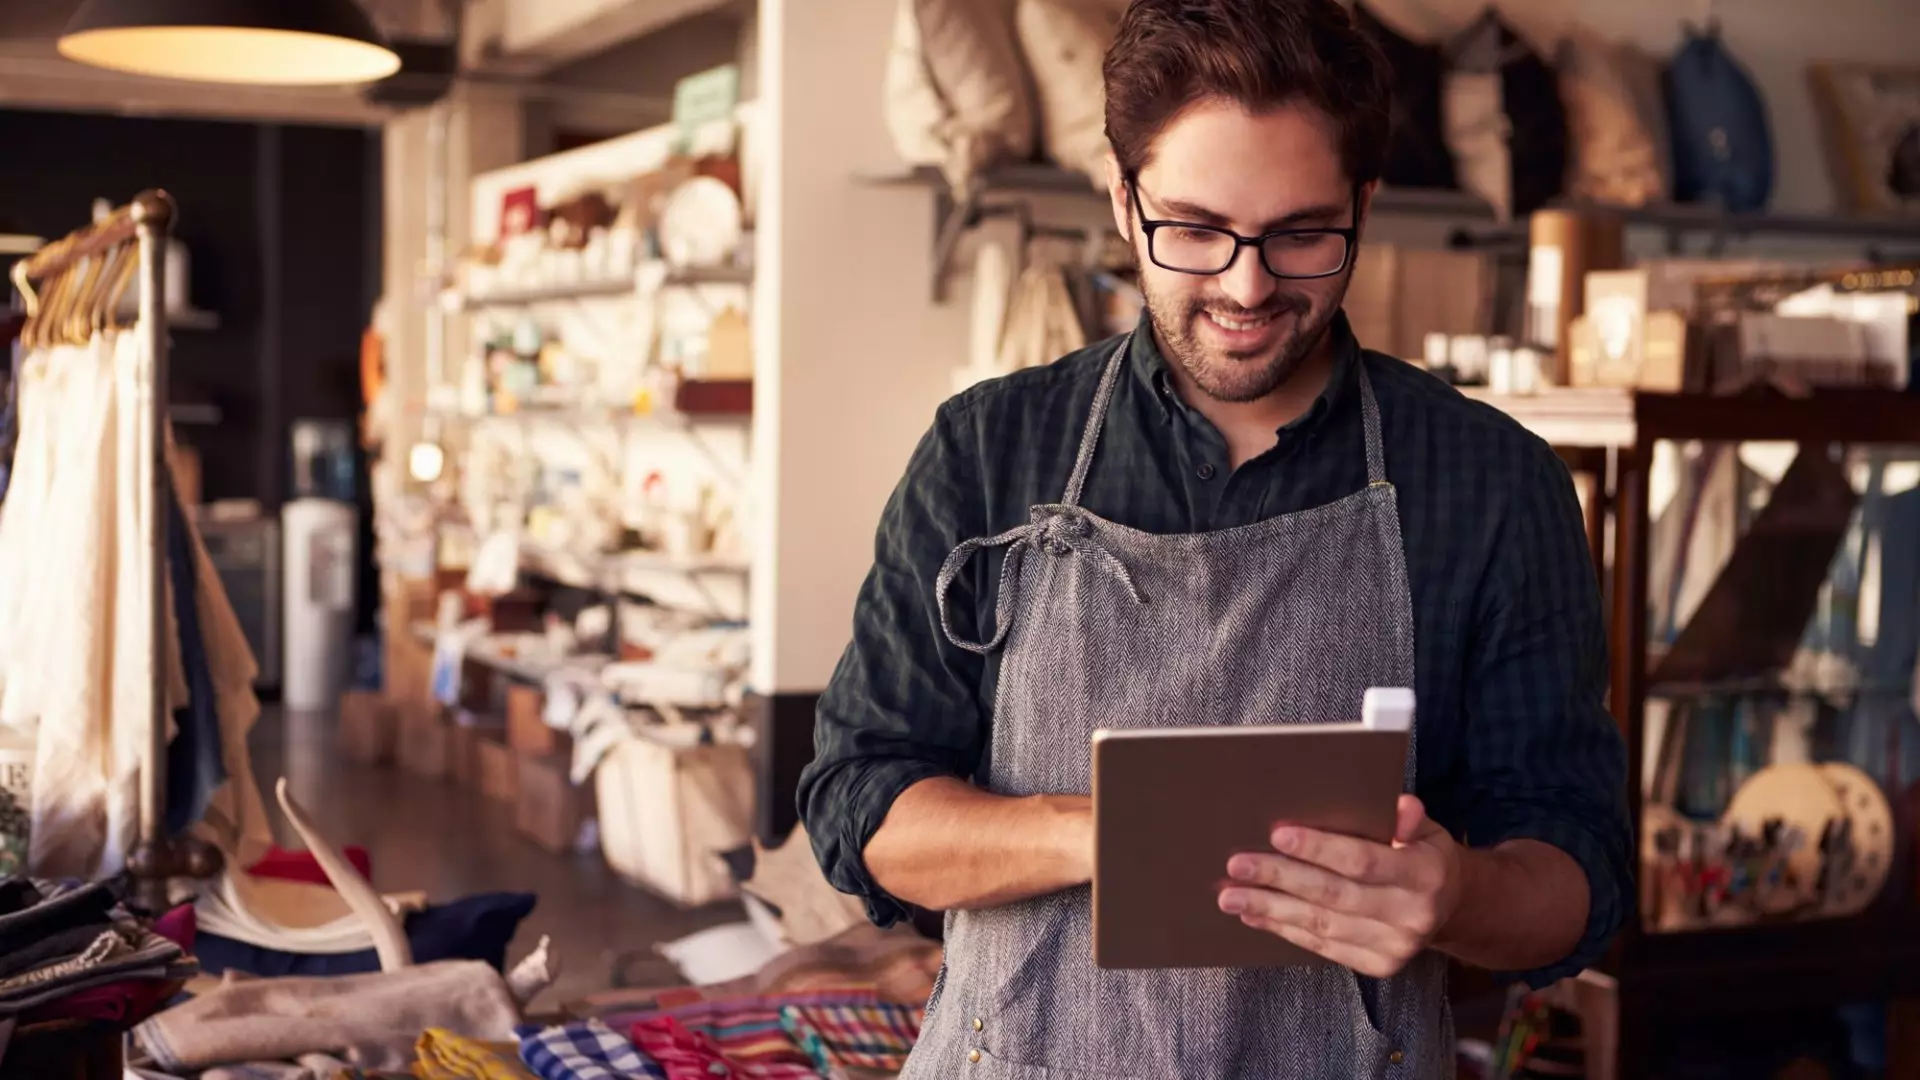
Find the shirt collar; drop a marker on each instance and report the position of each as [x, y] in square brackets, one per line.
[1150, 370]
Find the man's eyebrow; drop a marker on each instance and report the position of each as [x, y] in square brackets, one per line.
[1180, 209]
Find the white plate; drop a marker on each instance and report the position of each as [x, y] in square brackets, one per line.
[701, 223]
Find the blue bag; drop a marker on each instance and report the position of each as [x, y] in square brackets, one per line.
[1722, 148]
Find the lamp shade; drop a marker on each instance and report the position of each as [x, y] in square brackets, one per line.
[265, 42]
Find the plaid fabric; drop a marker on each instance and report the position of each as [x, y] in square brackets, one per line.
[702, 1012]
[855, 1036]
[585, 1051]
[1510, 656]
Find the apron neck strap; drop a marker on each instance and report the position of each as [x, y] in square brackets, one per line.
[1096, 419]
[1370, 419]
[1103, 397]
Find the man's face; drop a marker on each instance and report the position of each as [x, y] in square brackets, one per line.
[1242, 333]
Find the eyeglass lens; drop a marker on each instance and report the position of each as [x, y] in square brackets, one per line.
[1205, 251]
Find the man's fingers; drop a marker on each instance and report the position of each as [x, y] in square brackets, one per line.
[1412, 815]
[1365, 961]
[1316, 885]
[1357, 860]
[1272, 909]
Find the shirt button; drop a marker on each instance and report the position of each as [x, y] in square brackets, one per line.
[1205, 471]
[1397, 1057]
[973, 1057]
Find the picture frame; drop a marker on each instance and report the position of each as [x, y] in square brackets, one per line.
[1870, 119]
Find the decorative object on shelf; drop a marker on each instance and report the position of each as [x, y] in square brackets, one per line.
[956, 94]
[1722, 145]
[1858, 847]
[1504, 120]
[1617, 153]
[701, 224]
[1565, 245]
[1871, 117]
[519, 212]
[703, 110]
[1065, 42]
[571, 222]
[1417, 153]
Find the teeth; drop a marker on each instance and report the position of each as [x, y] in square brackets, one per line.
[1238, 324]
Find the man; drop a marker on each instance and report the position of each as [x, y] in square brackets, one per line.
[1234, 516]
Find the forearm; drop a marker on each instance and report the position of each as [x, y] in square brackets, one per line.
[1522, 905]
[946, 845]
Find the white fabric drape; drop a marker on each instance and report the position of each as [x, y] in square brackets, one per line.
[76, 636]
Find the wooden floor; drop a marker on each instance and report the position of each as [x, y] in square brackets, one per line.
[451, 842]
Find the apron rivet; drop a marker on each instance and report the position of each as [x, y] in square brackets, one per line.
[1398, 1057]
[978, 1024]
[973, 1057]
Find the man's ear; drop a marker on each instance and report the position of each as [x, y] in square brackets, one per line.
[1117, 194]
[1363, 205]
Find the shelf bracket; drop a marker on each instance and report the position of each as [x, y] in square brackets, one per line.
[951, 218]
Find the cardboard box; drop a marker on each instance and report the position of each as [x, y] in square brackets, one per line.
[425, 742]
[409, 674]
[527, 730]
[368, 728]
[549, 809]
[498, 768]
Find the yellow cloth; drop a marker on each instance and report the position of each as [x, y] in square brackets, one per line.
[446, 1056]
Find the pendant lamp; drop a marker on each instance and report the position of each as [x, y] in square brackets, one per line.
[262, 42]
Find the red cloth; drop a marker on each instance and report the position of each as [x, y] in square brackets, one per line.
[285, 865]
[126, 1003]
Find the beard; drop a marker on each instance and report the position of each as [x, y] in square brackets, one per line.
[1230, 375]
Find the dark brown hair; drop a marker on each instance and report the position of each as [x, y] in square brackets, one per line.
[1172, 54]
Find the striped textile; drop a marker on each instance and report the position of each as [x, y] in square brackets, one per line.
[871, 1036]
[746, 1035]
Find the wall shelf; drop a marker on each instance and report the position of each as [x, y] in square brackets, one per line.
[955, 215]
[638, 285]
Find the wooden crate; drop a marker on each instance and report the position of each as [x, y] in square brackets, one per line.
[527, 730]
[499, 770]
[369, 728]
[425, 742]
[549, 810]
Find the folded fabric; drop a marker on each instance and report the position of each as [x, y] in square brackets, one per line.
[32, 1000]
[115, 952]
[374, 1020]
[283, 865]
[122, 1003]
[44, 908]
[446, 1056]
[308, 1067]
[705, 1010]
[471, 928]
[58, 945]
[681, 1053]
[589, 1050]
[840, 1037]
[288, 915]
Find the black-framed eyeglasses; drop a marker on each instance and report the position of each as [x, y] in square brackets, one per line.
[1206, 250]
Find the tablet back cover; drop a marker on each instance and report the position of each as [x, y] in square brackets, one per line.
[1170, 812]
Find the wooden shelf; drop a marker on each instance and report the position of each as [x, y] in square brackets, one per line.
[1623, 419]
[639, 284]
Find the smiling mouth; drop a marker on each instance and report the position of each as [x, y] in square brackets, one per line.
[1241, 324]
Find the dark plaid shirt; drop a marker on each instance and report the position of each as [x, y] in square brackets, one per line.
[1510, 656]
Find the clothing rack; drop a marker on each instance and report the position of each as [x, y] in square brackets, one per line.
[92, 260]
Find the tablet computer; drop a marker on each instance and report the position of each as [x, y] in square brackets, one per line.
[1172, 805]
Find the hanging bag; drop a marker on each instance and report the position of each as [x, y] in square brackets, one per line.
[1722, 148]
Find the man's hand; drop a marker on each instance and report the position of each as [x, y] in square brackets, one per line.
[1371, 907]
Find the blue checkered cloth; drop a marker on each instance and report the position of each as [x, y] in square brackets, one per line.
[583, 1051]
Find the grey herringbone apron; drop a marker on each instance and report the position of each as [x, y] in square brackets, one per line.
[1288, 620]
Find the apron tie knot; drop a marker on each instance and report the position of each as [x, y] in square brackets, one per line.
[1059, 535]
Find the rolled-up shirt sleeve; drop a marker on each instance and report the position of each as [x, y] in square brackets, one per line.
[1545, 759]
[904, 704]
